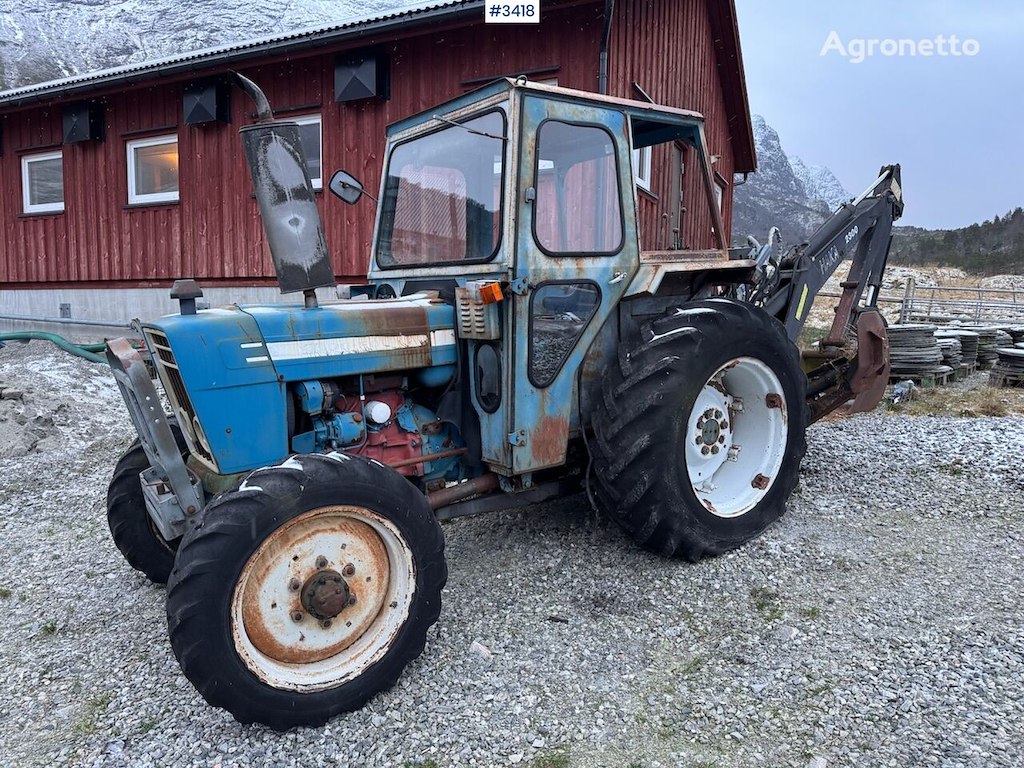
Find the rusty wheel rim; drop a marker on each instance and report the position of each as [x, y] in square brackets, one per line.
[294, 638]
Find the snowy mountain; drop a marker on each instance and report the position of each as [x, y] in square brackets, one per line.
[784, 192]
[819, 183]
[57, 38]
[797, 197]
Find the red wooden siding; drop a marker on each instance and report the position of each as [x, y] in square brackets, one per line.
[31, 244]
[667, 47]
[213, 233]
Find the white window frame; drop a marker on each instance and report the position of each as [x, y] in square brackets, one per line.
[27, 206]
[642, 168]
[719, 193]
[319, 121]
[136, 198]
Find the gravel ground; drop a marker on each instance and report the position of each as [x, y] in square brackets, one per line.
[878, 624]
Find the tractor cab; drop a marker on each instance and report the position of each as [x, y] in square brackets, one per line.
[517, 204]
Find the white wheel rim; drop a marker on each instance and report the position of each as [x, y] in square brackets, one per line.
[308, 653]
[736, 437]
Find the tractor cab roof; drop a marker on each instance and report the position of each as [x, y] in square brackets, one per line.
[652, 123]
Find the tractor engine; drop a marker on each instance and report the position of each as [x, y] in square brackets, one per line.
[373, 416]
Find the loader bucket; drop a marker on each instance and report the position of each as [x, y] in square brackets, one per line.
[872, 373]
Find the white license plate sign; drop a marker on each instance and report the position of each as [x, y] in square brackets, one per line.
[524, 12]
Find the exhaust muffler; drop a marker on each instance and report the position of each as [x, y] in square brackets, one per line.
[284, 193]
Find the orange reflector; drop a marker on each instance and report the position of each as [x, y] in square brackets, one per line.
[490, 293]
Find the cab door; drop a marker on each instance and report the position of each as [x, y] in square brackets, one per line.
[576, 252]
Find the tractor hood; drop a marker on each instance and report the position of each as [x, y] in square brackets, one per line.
[354, 336]
[288, 342]
[226, 371]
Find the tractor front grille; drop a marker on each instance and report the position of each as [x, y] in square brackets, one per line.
[174, 386]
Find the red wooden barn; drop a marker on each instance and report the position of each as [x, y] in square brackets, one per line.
[115, 183]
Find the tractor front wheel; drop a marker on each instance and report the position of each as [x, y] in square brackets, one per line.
[700, 431]
[306, 590]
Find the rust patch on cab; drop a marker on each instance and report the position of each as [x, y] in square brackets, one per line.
[547, 440]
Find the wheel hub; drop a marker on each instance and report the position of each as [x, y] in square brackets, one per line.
[325, 594]
[737, 437]
[319, 591]
[710, 427]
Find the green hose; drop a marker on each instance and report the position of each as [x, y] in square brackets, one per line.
[84, 351]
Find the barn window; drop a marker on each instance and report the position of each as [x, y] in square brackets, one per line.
[642, 167]
[153, 170]
[719, 193]
[311, 136]
[42, 182]
[578, 209]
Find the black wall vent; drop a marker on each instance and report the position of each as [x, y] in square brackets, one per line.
[83, 121]
[366, 76]
[207, 101]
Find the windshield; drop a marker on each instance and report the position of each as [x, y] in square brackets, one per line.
[442, 198]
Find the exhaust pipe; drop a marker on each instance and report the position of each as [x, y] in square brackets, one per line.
[284, 193]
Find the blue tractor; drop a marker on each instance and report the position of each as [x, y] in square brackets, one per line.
[513, 343]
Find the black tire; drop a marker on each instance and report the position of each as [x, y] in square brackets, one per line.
[641, 424]
[134, 534]
[219, 556]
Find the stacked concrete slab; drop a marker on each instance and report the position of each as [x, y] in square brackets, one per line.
[968, 344]
[914, 352]
[1008, 370]
[987, 345]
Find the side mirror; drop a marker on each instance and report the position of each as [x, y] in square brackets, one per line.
[346, 186]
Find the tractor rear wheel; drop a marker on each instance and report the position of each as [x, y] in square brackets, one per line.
[134, 533]
[699, 432]
[306, 590]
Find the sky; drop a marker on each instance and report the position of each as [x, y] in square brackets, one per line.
[954, 122]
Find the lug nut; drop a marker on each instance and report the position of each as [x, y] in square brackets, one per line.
[348, 570]
[294, 585]
[721, 439]
[705, 450]
[325, 624]
[724, 424]
[296, 615]
[698, 440]
[321, 562]
[714, 449]
[351, 599]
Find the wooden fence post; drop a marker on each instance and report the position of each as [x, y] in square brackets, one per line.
[908, 300]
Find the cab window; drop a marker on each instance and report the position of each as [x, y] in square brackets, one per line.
[578, 209]
[442, 198]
